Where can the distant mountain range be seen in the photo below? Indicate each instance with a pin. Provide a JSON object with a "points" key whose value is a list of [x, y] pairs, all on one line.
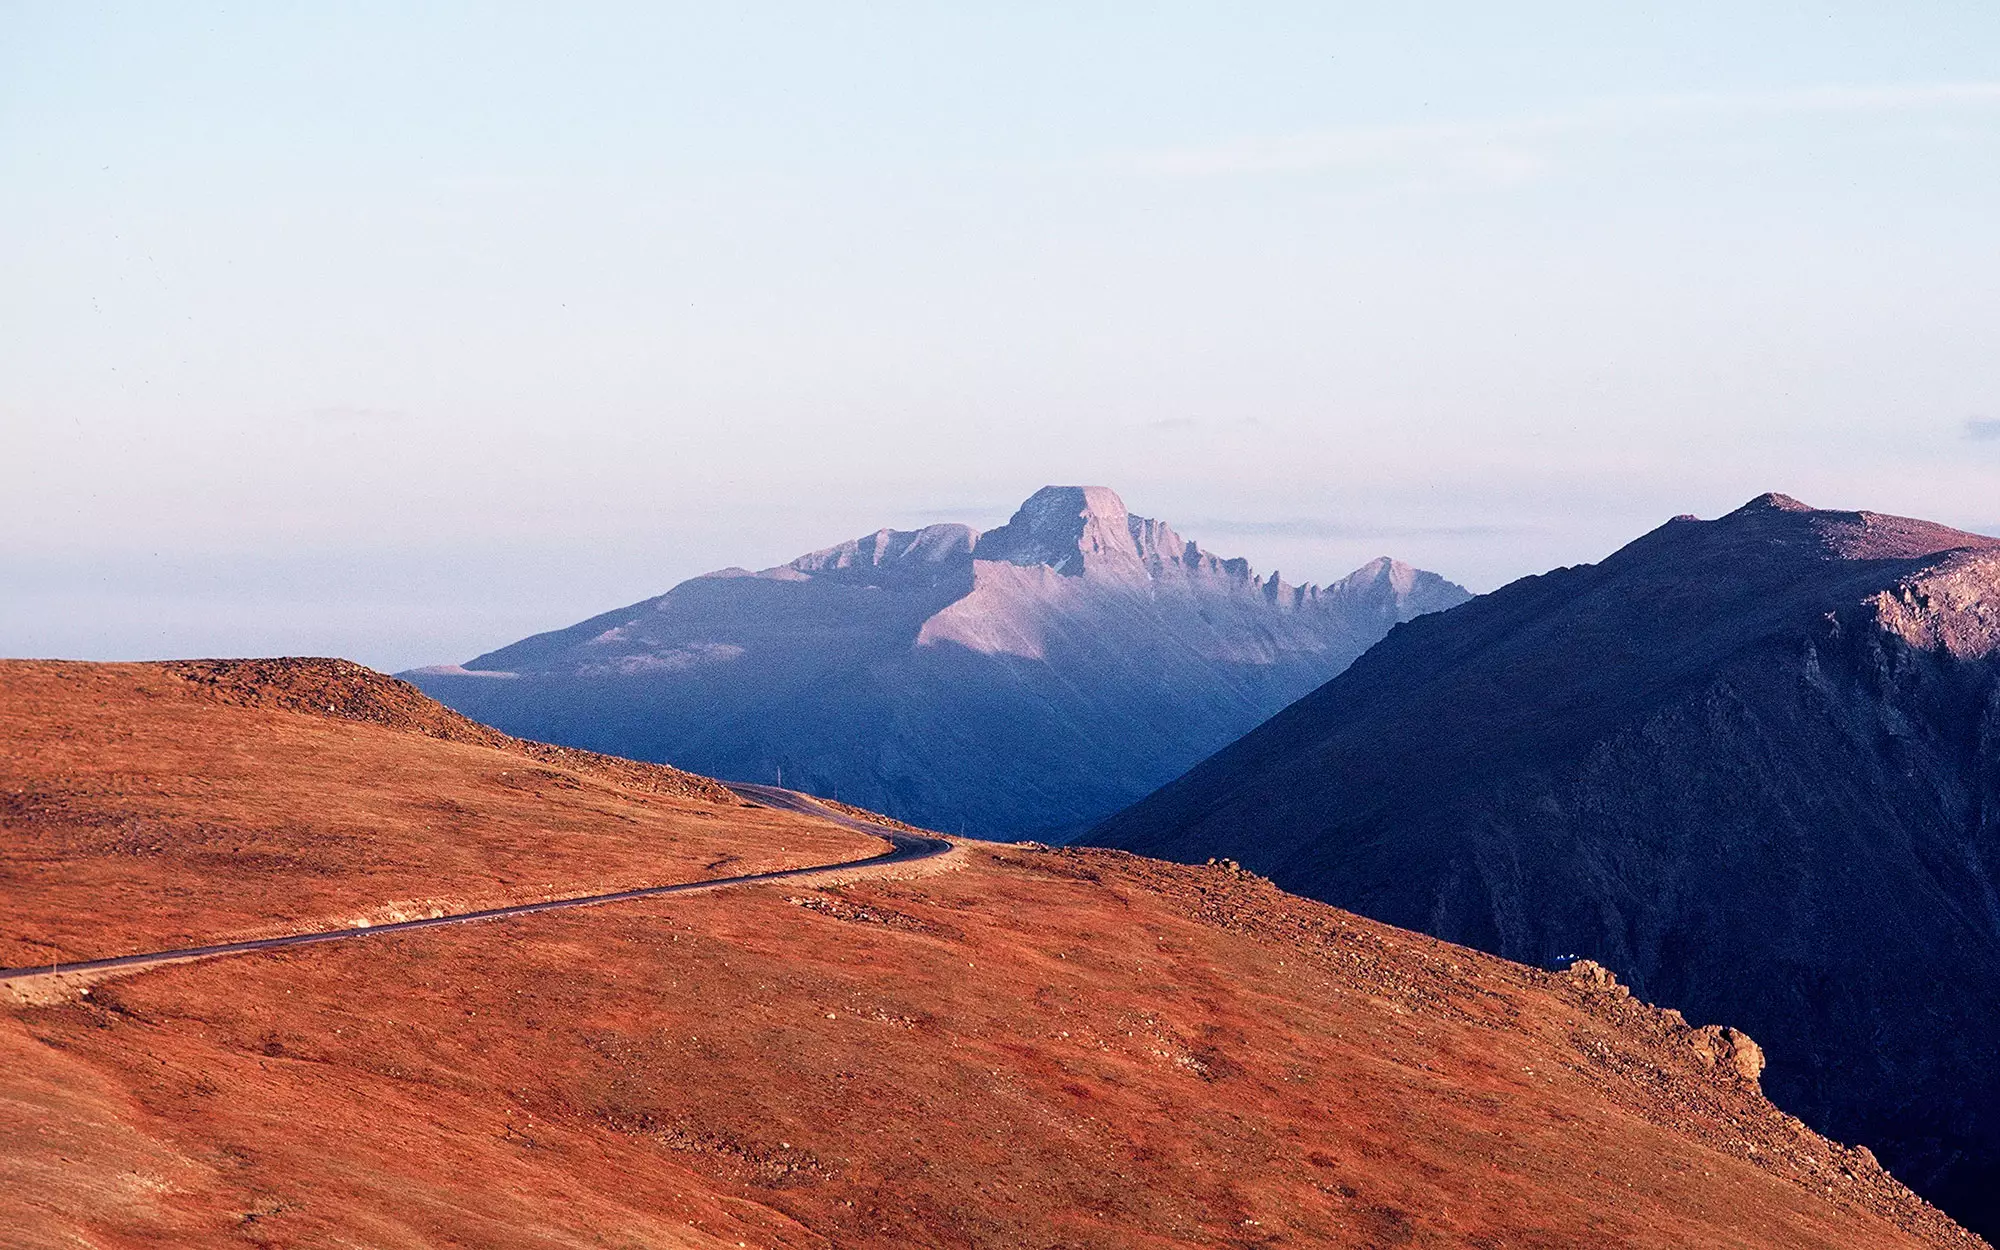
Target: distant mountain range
{"points": [[1751, 764], [1025, 681]]}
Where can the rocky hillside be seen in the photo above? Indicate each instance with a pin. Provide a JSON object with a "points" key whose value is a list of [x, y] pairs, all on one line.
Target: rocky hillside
{"points": [[1026, 680], [1008, 1046], [350, 691], [1751, 764]]}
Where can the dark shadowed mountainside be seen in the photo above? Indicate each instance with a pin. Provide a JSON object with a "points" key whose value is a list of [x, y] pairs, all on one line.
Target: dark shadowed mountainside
{"points": [[1751, 764], [1027, 680]]}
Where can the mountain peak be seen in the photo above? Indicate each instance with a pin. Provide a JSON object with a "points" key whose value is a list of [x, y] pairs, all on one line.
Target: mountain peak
{"points": [[1068, 528], [1772, 501], [1099, 501], [1034, 677], [1776, 524]]}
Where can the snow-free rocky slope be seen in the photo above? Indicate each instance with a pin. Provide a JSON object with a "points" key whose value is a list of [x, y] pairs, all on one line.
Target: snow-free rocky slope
{"points": [[1751, 764], [1023, 681], [1010, 1046]]}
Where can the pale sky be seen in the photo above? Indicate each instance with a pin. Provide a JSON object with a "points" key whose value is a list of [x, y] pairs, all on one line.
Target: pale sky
{"points": [[400, 337]]}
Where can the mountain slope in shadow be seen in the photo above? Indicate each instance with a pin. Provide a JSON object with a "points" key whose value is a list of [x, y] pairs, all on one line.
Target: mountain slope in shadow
{"points": [[1751, 764]]}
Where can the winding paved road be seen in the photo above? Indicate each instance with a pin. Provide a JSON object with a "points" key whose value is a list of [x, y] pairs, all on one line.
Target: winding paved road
{"points": [[903, 848]]}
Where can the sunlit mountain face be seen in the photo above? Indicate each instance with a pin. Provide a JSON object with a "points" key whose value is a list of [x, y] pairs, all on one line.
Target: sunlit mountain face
{"points": [[1024, 681]]}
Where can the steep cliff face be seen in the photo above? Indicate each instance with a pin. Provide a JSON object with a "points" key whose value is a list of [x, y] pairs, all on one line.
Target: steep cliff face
{"points": [[1026, 680], [1753, 765]]}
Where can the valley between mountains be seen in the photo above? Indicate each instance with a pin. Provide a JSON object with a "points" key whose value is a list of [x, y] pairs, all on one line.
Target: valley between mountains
{"points": [[1002, 1046]]}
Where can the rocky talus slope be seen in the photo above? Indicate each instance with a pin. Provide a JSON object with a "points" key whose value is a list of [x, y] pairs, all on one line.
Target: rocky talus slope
{"points": [[1070, 1048], [1025, 680], [1750, 764]]}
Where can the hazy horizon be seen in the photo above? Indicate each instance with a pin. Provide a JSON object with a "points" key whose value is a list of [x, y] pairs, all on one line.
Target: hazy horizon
{"points": [[402, 336]]}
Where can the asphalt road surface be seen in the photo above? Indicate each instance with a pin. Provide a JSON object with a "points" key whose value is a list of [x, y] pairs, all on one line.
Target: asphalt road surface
{"points": [[903, 848]]}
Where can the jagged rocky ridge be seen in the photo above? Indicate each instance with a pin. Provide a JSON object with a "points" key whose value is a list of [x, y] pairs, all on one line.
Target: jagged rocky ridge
{"points": [[1751, 764], [1025, 680]]}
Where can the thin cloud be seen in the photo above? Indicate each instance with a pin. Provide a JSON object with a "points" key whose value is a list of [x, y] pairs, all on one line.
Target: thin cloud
{"points": [[1313, 527], [1983, 429], [1182, 425], [1507, 150], [345, 414], [1500, 149]]}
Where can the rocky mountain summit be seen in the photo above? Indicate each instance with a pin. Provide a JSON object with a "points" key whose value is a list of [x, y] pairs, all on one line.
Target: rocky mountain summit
{"points": [[1750, 764], [1025, 680]]}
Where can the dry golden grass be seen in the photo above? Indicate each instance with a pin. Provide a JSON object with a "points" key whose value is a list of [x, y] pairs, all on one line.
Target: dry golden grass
{"points": [[142, 814]]}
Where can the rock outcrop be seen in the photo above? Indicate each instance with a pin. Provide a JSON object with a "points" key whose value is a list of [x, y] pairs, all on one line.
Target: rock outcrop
{"points": [[1025, 680], [1751, 764]]}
